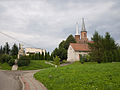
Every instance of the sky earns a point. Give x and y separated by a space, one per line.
45 23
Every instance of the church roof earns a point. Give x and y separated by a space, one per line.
80 47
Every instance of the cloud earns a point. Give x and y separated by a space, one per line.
44 23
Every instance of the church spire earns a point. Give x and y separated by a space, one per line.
77 29
83 25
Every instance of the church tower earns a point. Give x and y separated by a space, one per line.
77 35
83 32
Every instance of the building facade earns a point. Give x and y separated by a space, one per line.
79 48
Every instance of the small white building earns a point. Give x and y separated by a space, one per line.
34 50
81 45
75 50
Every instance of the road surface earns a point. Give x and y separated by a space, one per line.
9 80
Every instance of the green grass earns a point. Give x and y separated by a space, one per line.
34 65
5 66
87 76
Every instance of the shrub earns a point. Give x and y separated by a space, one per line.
24 61
57 60
5 58
11 62
82 59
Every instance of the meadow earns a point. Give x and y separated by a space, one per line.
77 76
34 65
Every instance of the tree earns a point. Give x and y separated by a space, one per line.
103 49
95 47
61 51
14 50
6 48
42 57
1 50
69 40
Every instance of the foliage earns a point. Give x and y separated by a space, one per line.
14 51
5 66
103 49
87 76
82 59
5 58
11 62
24 61
57 60
61 51
35 64
6 48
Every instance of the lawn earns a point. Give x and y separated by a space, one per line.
5 66
87 76
34 65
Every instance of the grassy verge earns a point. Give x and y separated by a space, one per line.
5 66
34 65
87 76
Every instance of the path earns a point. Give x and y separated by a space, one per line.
9 81
30 82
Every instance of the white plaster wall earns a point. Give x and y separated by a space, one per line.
70 54
34 50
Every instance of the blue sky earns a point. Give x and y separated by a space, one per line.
45 23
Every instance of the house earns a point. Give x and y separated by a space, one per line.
34 50
79 48
27 51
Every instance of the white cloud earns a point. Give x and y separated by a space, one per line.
45 23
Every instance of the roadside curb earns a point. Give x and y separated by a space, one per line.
23 86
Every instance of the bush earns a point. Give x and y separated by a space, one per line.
57 60
11 62
5 58
24 61
82 59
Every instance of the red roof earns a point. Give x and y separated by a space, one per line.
80 47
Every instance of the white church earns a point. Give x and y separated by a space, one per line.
81 45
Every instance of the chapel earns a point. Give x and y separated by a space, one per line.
79 48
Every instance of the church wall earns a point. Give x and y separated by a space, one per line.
70 54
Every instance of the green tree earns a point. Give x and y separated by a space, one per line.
61 51
103 48
6 48
42 57
69 40
14 51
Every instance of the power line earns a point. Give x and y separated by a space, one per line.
15 39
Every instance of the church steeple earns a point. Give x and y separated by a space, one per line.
77 29
77 35
83 25
83 31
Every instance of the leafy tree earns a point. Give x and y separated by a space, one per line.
69 40
61 51
57 60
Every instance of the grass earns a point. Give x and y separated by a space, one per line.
5 66
34 65
87 76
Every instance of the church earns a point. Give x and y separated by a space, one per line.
79 48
